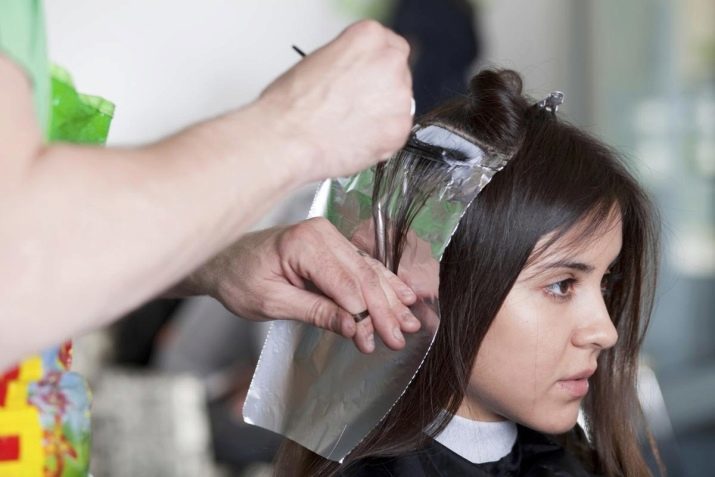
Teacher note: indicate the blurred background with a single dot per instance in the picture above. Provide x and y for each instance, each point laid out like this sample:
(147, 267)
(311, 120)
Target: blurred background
(169, 379)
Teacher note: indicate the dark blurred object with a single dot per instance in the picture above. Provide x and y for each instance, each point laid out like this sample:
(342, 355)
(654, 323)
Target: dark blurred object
(445, 43)
(238, 445)
(135, 336)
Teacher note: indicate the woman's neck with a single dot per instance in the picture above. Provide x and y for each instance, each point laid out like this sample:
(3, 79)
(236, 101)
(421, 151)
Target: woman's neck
(473, 409)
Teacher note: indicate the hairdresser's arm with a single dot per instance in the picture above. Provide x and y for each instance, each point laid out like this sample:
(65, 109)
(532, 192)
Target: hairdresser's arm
(87, 234)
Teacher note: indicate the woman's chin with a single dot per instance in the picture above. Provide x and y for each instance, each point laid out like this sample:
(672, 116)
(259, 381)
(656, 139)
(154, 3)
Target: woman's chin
(554, 423)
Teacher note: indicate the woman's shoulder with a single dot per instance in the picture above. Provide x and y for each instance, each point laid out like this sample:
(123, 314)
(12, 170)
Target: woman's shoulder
(539, 454)
(431, 460)
(415, 463)
(533, 454)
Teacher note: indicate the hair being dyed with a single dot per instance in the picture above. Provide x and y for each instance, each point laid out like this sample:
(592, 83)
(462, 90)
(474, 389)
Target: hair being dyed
(558, 177)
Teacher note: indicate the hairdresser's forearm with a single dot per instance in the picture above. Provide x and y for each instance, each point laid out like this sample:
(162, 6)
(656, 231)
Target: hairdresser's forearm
(87, 234)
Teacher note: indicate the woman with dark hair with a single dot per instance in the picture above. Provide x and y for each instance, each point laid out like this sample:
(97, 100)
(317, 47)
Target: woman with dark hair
(545, 293)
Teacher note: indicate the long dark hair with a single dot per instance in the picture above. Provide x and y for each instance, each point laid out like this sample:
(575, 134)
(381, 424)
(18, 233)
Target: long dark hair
(558, 176)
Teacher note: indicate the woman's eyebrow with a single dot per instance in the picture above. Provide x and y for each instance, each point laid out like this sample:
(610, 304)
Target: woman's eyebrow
(540, 269)
(581, 267)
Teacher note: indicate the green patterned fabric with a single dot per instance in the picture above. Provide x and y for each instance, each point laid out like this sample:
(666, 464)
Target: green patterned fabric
(22, 38)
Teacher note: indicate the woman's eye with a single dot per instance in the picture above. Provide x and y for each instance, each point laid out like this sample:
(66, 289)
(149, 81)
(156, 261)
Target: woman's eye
(561, 289)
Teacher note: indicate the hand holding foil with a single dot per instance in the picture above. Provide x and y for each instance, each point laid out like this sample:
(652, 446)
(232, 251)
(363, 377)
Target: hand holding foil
(311, 273)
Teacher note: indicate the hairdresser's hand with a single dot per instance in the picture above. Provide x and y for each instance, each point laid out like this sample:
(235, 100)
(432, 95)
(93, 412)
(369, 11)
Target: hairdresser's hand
(418, 268)
(274, 274)
(350, 101)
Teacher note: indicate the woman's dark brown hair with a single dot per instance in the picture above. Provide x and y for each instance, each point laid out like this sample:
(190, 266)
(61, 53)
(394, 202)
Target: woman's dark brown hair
(557, 177)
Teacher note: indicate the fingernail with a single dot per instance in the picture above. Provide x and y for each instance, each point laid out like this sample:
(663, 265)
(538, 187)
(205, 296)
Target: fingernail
(410, 319)
(397, 334)
(407, 293)
(370, 343)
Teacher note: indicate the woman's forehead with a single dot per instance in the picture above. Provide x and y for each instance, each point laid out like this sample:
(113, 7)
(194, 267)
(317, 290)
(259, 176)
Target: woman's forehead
(589, 240)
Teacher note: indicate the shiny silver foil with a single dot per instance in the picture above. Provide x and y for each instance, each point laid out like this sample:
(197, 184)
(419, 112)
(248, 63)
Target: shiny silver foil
(315, 387)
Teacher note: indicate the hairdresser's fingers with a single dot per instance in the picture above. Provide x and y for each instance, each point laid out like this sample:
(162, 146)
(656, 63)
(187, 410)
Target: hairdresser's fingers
(389, 324)
(397, 287)
(402, 47)
(318, 310)
(265, 275)
(326, 258)
(365, 336)
(385, 316)
(347, 104)
(402, 291)
(390, 283)
(316, 251)
(314, 309)
(322, 312)
(398, 42)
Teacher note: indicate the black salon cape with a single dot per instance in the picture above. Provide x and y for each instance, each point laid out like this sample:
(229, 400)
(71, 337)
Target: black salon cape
(533, 455)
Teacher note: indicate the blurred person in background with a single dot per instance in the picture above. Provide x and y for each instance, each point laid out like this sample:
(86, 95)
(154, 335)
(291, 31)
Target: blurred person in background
(445, 43)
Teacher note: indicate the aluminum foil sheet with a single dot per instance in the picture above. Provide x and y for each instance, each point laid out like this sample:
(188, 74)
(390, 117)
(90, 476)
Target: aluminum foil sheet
(315, 387)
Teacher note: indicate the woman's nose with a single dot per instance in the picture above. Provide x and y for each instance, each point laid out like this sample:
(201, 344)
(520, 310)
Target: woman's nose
(597, 329)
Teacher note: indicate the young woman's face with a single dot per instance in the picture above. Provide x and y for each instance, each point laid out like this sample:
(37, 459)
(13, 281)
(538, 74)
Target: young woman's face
(535, 360)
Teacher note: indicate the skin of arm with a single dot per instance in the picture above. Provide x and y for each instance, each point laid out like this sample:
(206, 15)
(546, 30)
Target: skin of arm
(87, 234)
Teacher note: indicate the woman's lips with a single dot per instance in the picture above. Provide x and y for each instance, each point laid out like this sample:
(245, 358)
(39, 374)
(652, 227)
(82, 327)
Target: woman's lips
(575, 387)
(577, 384)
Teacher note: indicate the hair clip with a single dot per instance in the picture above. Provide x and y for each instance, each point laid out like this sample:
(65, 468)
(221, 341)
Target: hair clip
(552, 102)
